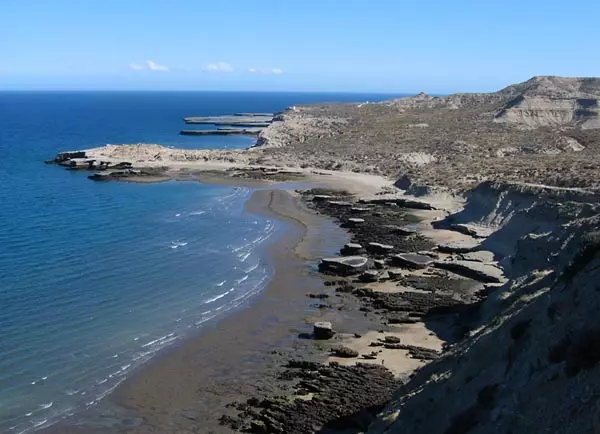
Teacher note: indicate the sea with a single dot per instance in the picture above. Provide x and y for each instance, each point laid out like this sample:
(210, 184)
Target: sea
(98, 278)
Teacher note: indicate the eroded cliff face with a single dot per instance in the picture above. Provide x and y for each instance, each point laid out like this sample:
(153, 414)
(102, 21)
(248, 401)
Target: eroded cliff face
(534, 112)
(530, 362)
(552, 102)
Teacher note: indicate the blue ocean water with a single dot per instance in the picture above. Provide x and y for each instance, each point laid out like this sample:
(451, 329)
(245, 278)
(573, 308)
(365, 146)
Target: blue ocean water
(96, 278)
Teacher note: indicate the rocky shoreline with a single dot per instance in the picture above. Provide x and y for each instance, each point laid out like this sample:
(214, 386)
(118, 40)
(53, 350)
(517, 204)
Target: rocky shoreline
(475, 272)
(332, 396)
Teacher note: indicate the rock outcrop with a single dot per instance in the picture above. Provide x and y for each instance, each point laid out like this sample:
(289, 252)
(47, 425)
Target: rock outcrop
(323, 330)
(345, 266)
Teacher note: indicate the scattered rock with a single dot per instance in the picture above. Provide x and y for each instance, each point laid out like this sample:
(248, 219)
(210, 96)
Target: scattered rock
(351, 249)
(396, 273)
(379, 248)
(400, 230)
(411, 260)
(466, 229)
(353, 222)
(319, 296)
(64, 156)
(111, 175)
(403, 202)
(340, 203)
(479, 256)
(344, 352)
(429, 253)
(391, 340)
(370, 356)
(474, 270)
(459, 246)
(379, 263)
(369, 276)
(345, 287)
(347, 265)
(323, 330)
(415, 352)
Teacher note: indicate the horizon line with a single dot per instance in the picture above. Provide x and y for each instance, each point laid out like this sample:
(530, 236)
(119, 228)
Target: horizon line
(213, 90)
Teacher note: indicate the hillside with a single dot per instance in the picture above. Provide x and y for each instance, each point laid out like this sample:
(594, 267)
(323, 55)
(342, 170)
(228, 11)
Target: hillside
(542, 131)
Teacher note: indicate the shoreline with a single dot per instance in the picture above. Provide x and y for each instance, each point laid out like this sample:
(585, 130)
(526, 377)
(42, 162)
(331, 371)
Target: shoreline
(252, 339)
(133, 400)
(496, 272)
(164, 393)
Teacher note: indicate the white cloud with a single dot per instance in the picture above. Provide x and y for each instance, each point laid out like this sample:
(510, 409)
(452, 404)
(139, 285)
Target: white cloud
(275, 71)
(153, 66)
(218, 67)
(150, 65)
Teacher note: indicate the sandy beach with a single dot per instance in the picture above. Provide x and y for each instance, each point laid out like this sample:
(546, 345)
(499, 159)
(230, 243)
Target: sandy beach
(241, 355)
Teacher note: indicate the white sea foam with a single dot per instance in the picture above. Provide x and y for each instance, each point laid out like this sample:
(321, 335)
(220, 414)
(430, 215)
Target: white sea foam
(237, 249)
(39, 424)
(159, 340)
(222, 283)
(197, 212)
(242, 279)
(244, 256)
(178, 244)
(47, 405)
(251, 269)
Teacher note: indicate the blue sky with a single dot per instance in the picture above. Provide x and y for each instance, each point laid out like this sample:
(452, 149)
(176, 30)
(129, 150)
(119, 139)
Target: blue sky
(372, 46)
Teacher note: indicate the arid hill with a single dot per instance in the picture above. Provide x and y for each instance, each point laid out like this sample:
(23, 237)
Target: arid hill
(543, 131)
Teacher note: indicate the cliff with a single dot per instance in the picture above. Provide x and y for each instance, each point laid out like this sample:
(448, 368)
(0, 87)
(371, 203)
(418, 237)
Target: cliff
(530, 360)
(553, 101)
